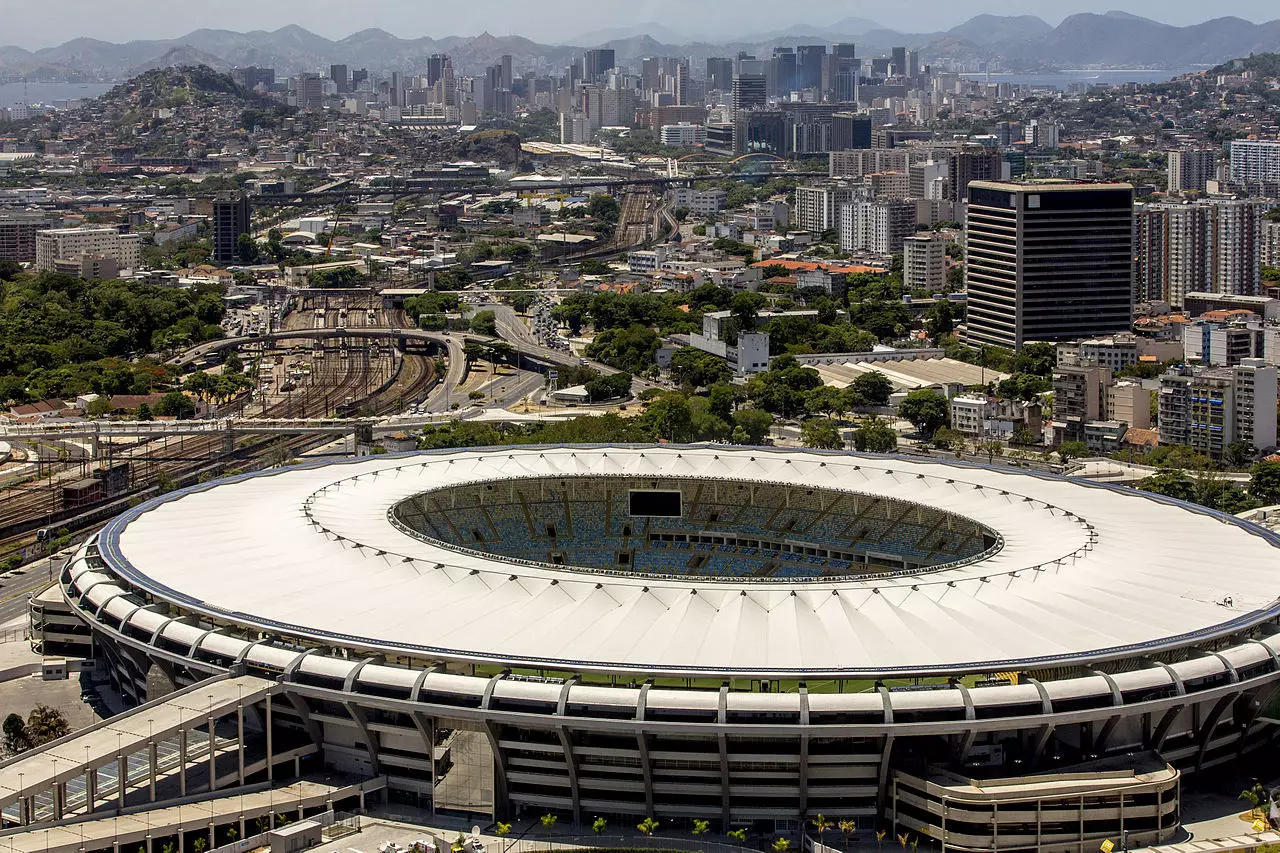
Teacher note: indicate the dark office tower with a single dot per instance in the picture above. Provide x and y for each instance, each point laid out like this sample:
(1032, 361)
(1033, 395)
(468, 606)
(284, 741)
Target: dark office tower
(230, 220)
(507, 76)
(846, 55)
(719, 73)
(750, 91)
(357, 77)
(435, 67)
(845, 87)
(1048, 261)
(880, 67)
(850, 131)
(968, 166)
(809, 65)
(784, 71)
(338, 74)
(596, 62)
(899, 61)
(252, 76)
(683, 83)
(649, 72)
(395, 95)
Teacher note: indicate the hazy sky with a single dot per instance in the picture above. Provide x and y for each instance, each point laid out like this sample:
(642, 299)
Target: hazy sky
(39, 23)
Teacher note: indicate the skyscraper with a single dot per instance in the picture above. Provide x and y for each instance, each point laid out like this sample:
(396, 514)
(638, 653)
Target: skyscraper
(750, 91)
(809, 59)
(783, 67)
(1190, 169)
(1048, 261)
(898, 61)
(596, 62)
(1212, 246)
(230, 220)
(719, 73)
(338, 74)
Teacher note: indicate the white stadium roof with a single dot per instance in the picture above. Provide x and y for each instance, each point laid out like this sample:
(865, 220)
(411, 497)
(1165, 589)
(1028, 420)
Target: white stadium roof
(1085, 572)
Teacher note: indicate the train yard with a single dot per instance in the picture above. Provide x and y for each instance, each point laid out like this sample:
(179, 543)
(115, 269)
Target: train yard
(315, 378)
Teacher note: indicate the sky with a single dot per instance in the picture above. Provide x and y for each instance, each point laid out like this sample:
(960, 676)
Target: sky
(43, 23)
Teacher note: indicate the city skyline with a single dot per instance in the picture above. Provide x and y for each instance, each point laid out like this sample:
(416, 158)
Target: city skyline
(559, 22)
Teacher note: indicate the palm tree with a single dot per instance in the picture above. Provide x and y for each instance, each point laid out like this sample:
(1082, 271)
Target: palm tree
(782, 845)
(599, 825)
(738, 835)
(701, 827)
(821, 824)
(548, 823)
(880, 839)
(648, 826)
(848, 829)
(503, 830)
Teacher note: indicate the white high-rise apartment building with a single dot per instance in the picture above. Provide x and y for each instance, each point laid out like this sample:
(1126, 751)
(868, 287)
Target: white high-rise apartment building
(924, 263)
(1211, 245)
(879, 227)
(1255, 160)
(75, 243)
(817, 208)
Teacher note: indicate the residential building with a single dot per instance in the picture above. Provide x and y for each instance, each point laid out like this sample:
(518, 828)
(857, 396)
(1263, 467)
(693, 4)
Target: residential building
(879, 227)
(1221, 344)
(1129, 403)
(18, 229)
(1270, 254)
(1198, 303)
(1255, 160)
(1079, 396)
(1210, 245)
(972, 165)
(817, 208)
(1041, 134)
(1209, 408)
(889, 185)
(860, 162)
(1190, 169)
(924, 263)
(1048, 261)
(72, 244)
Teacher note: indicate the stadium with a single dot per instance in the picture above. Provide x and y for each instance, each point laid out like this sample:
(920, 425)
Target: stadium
(983, 657)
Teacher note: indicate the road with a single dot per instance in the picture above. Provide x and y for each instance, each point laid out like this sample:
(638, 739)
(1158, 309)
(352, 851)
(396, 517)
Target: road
(18, 585)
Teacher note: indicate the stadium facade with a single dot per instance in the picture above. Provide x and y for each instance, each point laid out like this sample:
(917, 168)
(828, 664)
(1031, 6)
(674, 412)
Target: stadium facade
(987, 658)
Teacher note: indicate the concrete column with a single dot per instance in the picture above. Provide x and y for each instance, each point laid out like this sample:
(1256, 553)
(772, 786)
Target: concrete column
(28, 810)
(182, 762)
(153, 760)
(213, 755)
(297, 766)
(122, 779)
(211, 844)
(91, 790)
(59, 799)
(239, 744)
(270, 753)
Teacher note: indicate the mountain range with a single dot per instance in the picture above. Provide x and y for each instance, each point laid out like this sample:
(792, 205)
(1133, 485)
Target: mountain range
(1014, 43)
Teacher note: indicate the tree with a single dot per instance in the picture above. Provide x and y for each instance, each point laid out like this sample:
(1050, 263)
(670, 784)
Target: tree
(782, 845)
(99, 407)
(926, 409)
(848, 829)
(701, 827)
(246, 251)
(697, 369)
(485, 323)
(1069, 450)
(175, 404)
(738, 835)
(144, 412)
(15, 734)
(1038, 358)
(548, 822)
(821, 434)
(631, 349)
(648, 826)
(1238, 454)
(875, 436)
(822, 824)
(1254, 796)
(1264, 483)
(199, 844)
(745, 307)
(874, 387)
(669, 417)
(599, 825)
(45, 724)
(1024, 437)
(754, 424)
